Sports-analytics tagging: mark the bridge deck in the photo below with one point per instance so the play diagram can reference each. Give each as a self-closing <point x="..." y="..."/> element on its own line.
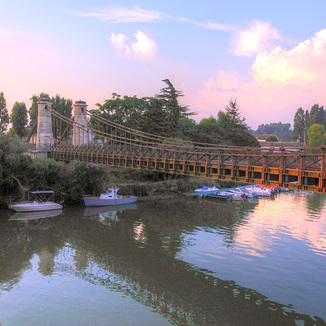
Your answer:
<point x="302" y="171"/>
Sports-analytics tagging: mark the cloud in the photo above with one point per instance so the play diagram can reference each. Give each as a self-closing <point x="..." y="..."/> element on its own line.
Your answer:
<point x="224" y="81"/>
<point x="143" y="48"/>
<point x="122" y="15"/>
<point x="215" y="26"/>
<point x="257" y="38"/>
<point x="281" y="81"/>
<point x="303" y="64"/>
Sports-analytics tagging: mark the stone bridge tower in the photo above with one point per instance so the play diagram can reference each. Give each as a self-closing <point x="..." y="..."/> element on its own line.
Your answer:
<point x="44" y="138"/>
<point x="80" y="136"/>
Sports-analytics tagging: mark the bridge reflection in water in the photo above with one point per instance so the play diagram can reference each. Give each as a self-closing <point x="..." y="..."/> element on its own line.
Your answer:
<point x="90" y="138"/>
<point x="139" y="259"/>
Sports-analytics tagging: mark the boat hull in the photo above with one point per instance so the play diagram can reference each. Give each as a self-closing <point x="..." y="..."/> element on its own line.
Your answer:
<point x="35" y="207"/>
<point x="96" y="201"/>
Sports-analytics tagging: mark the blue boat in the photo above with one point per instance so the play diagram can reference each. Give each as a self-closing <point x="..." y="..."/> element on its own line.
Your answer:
<point x="110" y="197"/>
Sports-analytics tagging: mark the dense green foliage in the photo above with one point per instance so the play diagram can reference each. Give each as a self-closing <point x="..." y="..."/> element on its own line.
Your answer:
<point x="303" y="120"/>
<point x="159" y="115"/>
<point x="316" y="135"/>
<point x="4" y="116"/>
<point x="19" y="119"/>
<point x="162" y="115"/>
<point x="282" y="130"/>
<point x="272" y="138"/>
<point x="19" y="174"/>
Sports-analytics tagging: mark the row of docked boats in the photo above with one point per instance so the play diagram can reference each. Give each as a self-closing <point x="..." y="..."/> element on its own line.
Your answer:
<point x="238" y="193"/>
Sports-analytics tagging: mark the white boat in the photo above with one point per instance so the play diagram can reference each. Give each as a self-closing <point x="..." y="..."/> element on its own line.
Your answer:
<point x="42" y="201"/>
<point x="221" y="195"/>
<point x="110" y="197"/>
<point x="237" y="194"/>
<point x="260" y="191"/>
<point x="206" y="189"/>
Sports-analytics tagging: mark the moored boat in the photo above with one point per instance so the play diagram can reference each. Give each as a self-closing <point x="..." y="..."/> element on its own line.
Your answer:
<point x="221" y="195"/>
<point x="260" y="191"/>
<point x="206" y="189"/>
<point x="110" y="197"/>
<point x="42" y="201"/>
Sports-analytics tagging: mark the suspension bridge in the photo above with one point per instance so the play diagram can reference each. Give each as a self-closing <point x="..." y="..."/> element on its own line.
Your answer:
<point x="90" y="138"/>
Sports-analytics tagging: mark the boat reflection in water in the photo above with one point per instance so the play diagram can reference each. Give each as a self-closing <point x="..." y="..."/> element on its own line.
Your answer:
<point x="35" y="215"/>
<point x="106" y="213"/>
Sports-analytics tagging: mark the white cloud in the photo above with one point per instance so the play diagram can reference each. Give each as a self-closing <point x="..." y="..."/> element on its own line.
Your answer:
<point x="144" y="47"/>
<point x="118" y="41"/>
<point x="122" y="15"/>
<point x="303" y="64"/>
<point x="215" y="26"/>
<point x="257" y="38"/>
<point x="281" y="82"/>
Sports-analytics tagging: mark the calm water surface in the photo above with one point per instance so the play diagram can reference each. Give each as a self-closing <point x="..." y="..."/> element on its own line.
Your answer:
<point x="181" y="261"/>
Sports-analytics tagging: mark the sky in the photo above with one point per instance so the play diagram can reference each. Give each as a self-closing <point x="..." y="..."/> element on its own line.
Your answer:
<point x="270" y="56"/>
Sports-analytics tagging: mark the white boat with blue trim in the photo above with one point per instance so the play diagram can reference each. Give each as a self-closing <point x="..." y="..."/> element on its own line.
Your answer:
<point x="110" y="197"/>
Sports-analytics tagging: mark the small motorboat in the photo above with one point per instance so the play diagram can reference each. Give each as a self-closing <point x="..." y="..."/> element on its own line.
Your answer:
<point x="260" y="191"/>
<point x="221" y="195"/>
<point x="237" y="194"/>
<point x="110" y="197"/>
<point x="42" y="200"/>
<point x="205" y="189"/>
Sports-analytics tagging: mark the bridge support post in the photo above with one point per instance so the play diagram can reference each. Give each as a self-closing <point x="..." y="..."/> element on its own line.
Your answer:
<point x="44" y="138"/>
<point x="80" y="135"/>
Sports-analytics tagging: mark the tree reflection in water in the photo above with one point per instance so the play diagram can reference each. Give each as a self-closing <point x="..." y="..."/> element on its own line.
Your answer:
<point x="136" y="253"/>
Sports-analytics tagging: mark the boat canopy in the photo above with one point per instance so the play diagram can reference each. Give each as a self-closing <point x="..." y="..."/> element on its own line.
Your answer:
<point x="41" y="195"/>
<point x="38" y="192"/>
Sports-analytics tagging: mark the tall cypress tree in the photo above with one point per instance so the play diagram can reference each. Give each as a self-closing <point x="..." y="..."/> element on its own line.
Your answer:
<point x="18" y="118"/>
<point x="4" y="116"/>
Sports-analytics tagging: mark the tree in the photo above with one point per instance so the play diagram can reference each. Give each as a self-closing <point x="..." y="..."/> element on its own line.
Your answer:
<point x="4" y="116"/>
<point x="127" y="111"/>
<point x="154" y="118"/>
<point x="232" y="127"/>
<point x="64" y="107"/>
<point x="211" y="129"/>
<point x="18" y="118"/>
<point x="299" y="126"/>
<point x="174" y="111"/>
<point x="316" y="135"/>
<point x="316" y="115"/>
<point x="282" y="130"/>
<point x="272" y="138"/>
<point x="13" y="163"/>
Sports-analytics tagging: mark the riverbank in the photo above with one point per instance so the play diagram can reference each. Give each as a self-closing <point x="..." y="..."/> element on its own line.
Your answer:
<point x="145" y="185"/>
<point x="150" y="189"/>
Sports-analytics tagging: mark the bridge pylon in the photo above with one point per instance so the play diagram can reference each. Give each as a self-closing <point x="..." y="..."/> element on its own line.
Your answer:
<point x="44" y="138"/>
<point x="80" y="136"/>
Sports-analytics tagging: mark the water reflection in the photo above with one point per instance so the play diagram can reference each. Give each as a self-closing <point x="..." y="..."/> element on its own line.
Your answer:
<point x="141" y="253"/>
<point x="107" y="214"/>
<point x="35" y="215"/>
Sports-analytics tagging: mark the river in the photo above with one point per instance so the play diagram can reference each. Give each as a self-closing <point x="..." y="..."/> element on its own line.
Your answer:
<point x="178" y="261"/>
